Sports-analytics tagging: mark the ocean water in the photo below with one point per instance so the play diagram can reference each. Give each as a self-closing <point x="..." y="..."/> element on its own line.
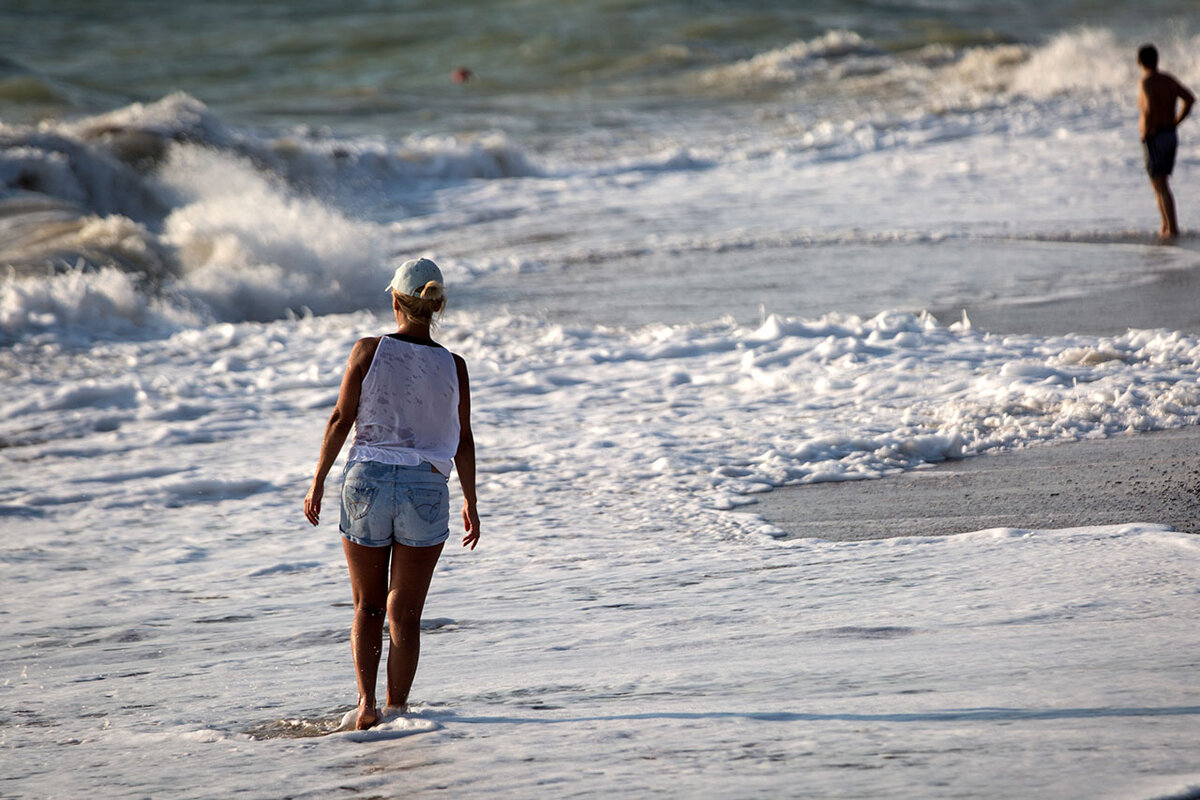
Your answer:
<point x="696" y="252"/>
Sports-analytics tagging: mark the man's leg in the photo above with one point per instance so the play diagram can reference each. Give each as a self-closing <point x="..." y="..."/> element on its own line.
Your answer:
<point x="1166" y="206"/>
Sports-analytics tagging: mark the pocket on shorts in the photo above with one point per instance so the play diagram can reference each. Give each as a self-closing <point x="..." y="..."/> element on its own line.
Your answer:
<point x="432" y="503"/>
<point x="357" y="498"/>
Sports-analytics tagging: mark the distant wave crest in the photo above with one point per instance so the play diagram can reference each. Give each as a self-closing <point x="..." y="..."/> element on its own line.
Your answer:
<point x="1079" y="61"/>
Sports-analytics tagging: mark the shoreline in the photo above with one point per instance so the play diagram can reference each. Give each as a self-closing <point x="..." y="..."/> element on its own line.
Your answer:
<point x="1151" y="477"/>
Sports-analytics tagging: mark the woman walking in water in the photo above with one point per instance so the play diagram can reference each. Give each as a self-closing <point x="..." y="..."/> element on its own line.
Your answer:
<point x="408" y="401"/>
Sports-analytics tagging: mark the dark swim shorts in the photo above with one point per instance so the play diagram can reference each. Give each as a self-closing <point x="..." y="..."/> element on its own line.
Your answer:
<point x="1160" y="152"/>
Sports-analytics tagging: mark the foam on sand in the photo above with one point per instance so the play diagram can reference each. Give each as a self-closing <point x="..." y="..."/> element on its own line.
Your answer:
<point x="393" y="724"/>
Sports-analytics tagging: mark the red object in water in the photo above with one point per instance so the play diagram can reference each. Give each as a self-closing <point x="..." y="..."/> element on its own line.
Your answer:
<point x="461" y="75"/>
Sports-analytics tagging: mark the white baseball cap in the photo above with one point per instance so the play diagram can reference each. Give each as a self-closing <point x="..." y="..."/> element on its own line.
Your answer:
<point x="413" y="275"/>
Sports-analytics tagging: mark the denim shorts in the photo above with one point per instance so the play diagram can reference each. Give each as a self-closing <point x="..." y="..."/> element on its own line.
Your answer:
<point x="388" y="503"/>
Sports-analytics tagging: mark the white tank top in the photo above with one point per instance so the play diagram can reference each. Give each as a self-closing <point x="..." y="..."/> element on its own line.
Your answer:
<point x="408" y="407"/>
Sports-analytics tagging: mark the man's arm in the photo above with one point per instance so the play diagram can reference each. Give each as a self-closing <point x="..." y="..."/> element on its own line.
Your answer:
<point x="1144" y="108"/>
<point x="1186" y="98"/>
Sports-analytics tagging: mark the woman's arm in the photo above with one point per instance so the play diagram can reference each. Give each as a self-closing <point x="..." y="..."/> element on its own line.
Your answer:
<point x="464" y="458"/>
<point x="340" y="423"/>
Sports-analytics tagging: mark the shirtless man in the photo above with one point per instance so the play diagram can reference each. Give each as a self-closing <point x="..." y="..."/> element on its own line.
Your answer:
<point x="1156" y="100"/>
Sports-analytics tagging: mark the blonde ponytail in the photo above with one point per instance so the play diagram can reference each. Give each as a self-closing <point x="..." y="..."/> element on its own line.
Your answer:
<point x="422" y="307"/>
<point x="431" y="291"/>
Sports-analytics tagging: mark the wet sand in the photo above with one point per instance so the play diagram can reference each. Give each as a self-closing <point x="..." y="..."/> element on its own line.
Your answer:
<point x="1169" y="299"/>
<point x="1144" y="477"/>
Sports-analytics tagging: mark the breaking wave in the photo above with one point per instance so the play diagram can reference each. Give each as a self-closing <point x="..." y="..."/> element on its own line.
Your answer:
<point x="162" y="214"/>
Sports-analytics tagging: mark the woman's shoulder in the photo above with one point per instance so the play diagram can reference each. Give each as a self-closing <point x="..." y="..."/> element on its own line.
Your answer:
<point x="364" y="349"/>
<point x="367" y="343"/>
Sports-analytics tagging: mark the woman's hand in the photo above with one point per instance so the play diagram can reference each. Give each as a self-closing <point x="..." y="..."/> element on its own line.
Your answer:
<point x="471" y="525"/>
<point x="312" y="502"/>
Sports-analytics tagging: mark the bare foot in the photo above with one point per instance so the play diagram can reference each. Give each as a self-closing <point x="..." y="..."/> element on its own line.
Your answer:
<point x="395" y="711"/>
<point x="367" y="716"/>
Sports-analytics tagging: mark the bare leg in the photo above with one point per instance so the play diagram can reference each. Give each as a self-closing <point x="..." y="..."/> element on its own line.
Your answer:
<point x="368" y="584"/>
<point x="412" y="570"/>
<point x="1166" y="207"/>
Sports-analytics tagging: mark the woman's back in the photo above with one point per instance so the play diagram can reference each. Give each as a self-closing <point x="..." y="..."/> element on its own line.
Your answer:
<point x="408" y="407"/>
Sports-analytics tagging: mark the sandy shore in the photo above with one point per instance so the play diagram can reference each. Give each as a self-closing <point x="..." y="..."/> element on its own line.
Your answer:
<point x="1148" y="477"/>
